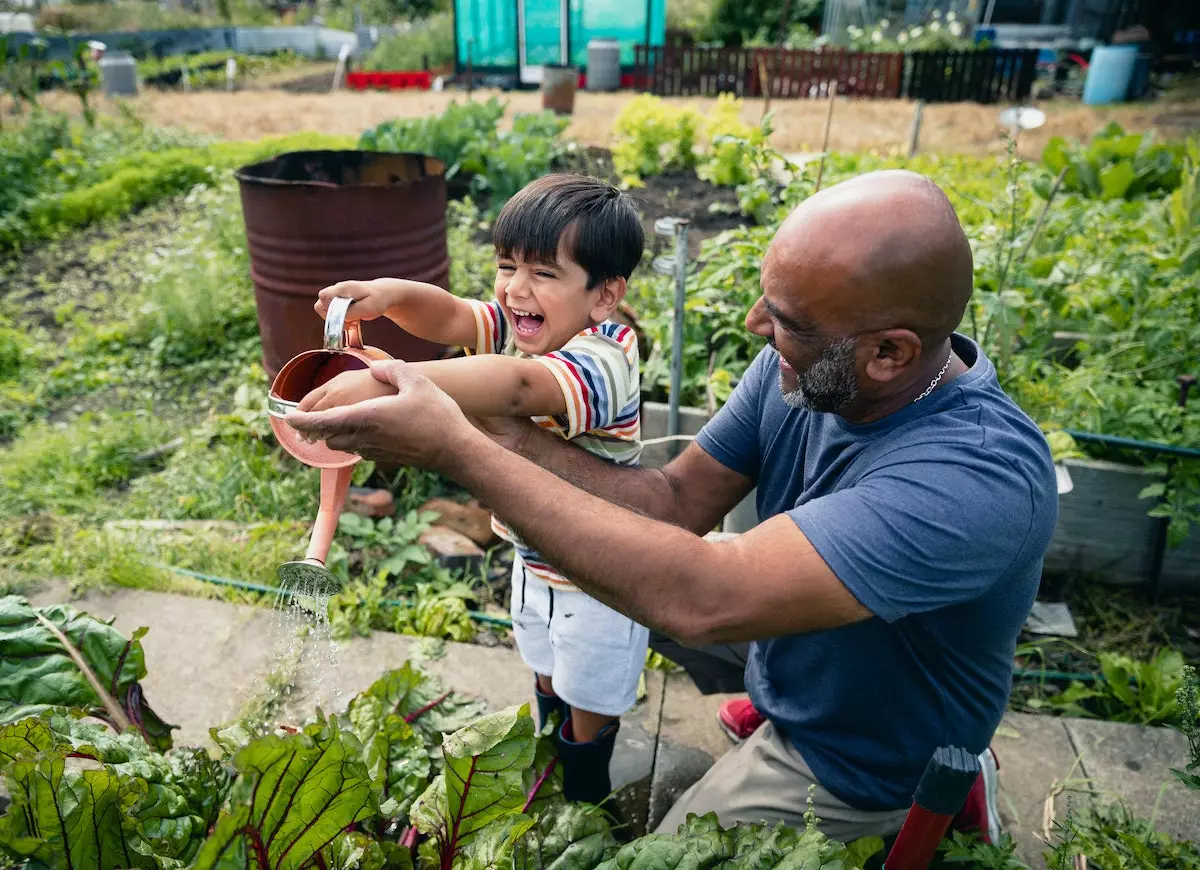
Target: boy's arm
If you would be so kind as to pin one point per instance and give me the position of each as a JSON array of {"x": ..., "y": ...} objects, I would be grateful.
[
  {"x": 494, "y": 385},
  {"x": 424, "y": 310}
]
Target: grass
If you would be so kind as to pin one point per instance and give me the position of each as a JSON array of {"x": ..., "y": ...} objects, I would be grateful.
[{"x": 857, "y": 125}]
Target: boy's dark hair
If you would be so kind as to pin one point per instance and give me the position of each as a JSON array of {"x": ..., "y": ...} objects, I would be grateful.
[{"x": 598, "y": 225}]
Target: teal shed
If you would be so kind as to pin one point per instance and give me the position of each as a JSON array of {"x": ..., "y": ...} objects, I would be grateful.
[{"x": 516, "y": 39}]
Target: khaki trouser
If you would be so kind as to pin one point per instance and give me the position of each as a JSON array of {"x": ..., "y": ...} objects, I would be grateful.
[{"x": 765, "y": 779}]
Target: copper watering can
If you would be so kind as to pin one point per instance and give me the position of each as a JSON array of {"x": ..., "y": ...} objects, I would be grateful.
[{"x": 343, "y": 351}]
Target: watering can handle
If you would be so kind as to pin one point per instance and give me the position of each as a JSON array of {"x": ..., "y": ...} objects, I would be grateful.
[{"x": 338, "y": 336}]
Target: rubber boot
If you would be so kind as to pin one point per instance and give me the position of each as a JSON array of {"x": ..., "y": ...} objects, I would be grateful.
[
  {"x": 585, "y": 765},
  {"x": 547, "y": 705}
]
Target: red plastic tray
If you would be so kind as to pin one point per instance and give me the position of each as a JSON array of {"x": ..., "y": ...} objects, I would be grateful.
[{"x": 390, "y": 81}]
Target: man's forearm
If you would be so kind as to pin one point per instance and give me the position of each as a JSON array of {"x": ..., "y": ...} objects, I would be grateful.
[
  {"x": 634, "y": 564},
  {"x": 647, "y": 491}
]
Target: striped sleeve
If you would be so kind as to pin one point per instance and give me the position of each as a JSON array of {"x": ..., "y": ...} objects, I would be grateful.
[
  {"x": 598, "y": 373},
  {"x": 491, "y": 329}
]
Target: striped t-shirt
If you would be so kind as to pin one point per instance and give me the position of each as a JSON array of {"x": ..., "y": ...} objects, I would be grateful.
[{"x": 598, "y": 373}]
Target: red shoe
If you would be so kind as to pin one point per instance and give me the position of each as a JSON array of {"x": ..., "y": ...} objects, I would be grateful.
[
  {"x": 739, "y": 719},
  {"x": 981, "y": 812}
]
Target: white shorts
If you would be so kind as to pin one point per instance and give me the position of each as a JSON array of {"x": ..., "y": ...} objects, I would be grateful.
[{"x": 593, "y": 654}]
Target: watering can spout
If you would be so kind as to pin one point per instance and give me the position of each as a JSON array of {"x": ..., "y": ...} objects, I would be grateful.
[{"x": 343, "y": 351}]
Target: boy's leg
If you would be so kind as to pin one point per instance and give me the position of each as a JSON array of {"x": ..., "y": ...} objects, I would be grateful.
[
  {"x": 529, "y": 608},
  {"x": 598, "y": 659}
]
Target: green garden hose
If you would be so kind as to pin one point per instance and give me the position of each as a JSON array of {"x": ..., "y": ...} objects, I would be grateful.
[{"x": 275, "y": 590}]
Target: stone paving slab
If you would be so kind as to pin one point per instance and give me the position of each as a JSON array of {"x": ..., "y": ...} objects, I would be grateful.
[
  {"x": 1037, "y": 758},
  {"x": 689, "y": 741},
  {"x": 1132, "y": 763}
]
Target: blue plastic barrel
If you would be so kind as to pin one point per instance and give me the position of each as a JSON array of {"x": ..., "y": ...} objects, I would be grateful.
[{"x": 1109, "y": 74}]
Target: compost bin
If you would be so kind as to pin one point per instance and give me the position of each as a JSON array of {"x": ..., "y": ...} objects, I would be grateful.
[{"x": 314, "y": 218}]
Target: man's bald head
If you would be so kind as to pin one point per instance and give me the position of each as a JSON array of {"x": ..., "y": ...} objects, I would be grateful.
[{"x": 883, "y": 250}]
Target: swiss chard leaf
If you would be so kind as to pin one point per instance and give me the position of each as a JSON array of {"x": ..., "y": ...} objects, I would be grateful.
[
  {"x": 36, "y": 672},
  {"x": 422, "y": 701},
  {"x": 567, "y": 837},
  {"x": 395, "y": 755},
  {"x": 702, "y": 843},
  {"x": 355, "y": 851},
  {"x": 170, "y": 800},
  {"x": 481, "y": 784},
  {"x": 294, "y": 795},
  {"x": 543, "y": 781},
  {"x": 64, "y": 816},
  {"x": 495, "y": 845}
]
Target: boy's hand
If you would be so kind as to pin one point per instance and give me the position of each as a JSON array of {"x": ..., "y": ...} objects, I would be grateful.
[
  {"x": 372, "y": 299},
  {"x": 348, "y": 388}
]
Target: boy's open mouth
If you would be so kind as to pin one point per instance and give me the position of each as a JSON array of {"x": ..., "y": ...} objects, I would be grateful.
[{"x": 527, "y": 324}]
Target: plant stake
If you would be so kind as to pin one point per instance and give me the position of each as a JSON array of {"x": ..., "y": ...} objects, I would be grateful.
[
  {"x": 677, "y": 228},
  {"x": 825, "y": 139}
]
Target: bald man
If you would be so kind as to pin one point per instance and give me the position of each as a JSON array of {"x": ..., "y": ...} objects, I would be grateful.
[{"x": 905, "y": 501}]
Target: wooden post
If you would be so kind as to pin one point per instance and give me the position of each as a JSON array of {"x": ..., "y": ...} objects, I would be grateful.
[
  {"x": 765, "y": 81},
  {"x": 914, "y": 135},
  {"x": 825, "y": 140}
]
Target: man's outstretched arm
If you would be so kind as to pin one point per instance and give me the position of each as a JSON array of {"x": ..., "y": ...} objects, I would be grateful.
[
  {"x": 767, "y": 582},
  {"x": 694, "y": 490}
]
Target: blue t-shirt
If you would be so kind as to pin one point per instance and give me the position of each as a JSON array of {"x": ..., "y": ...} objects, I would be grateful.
[{"x": 936, "y": 518}]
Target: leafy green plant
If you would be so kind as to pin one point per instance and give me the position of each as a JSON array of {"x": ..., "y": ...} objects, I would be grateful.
[
  {"x": 1111, "y": 837},
  {"x": 494, "y": 164},
  {"x": 472, "y": 265},
  {"x": 1144, "y": 692},
  {"x": 1187, "y": 697},
  {"x": 387, "y": 546},
  {"x": 46, "y": 651},
  {"x": 1115, "y": 164},
  {"x": 963, "y": 848},
  {"x": 651, "y": 137}
]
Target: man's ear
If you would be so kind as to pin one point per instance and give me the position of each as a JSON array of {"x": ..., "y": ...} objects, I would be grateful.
[
  {"x": 608, "y": 298},
  {"x": 893, "y": 353}
]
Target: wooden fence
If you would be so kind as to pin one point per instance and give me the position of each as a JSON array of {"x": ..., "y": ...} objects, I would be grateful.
[{"x": 934, "y": 76}]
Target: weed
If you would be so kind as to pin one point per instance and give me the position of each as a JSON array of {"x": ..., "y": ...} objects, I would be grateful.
[{"x": 75, "y": 468}]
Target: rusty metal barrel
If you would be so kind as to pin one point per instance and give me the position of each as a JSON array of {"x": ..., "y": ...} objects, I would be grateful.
[
  {"x": 559, "y": 82},
  {"x": 314, "y": 218}
]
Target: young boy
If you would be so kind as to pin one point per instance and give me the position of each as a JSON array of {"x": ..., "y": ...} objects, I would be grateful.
[{"x": 546, "y": 347}]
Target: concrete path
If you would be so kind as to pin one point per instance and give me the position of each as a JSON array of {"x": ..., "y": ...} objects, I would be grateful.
[{"x": 208, "y": 660}]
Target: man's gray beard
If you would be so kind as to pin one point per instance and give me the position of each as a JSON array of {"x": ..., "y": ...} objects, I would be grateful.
[{"x": 828, "y": 384}]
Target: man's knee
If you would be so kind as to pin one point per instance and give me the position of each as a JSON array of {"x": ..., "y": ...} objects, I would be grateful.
[{"x": 716, "y": 669}]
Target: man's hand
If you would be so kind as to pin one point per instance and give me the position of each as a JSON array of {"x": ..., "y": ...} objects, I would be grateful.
[
  {"x": 419, "y": 426},
  {"x": 348, "y": 388}
]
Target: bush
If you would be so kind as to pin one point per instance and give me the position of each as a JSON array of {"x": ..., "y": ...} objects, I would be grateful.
[
  {"x": 430, "y": 41},
  {"x": 73, "y": 190},
  {"x": 495, "y": 164},
  {"x": 1116, "y": 165},
  {"x": 729, "y": 160},
  {"x": 652, "y": 137}
]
